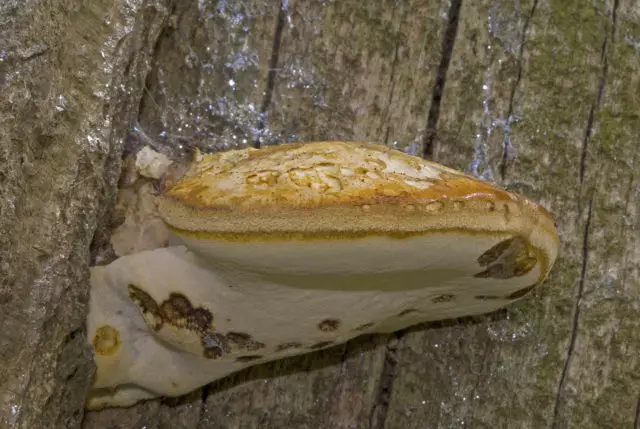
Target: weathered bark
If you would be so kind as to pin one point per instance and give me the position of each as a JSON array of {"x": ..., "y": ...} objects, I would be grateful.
[
  {"x": 540, "y": 96},
  {"x": 69, "y": 79}
]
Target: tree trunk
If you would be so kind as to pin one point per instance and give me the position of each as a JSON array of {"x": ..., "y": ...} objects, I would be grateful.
[
  {"x": 541, "y": 97},
  {"x": 70, "y": 85}
]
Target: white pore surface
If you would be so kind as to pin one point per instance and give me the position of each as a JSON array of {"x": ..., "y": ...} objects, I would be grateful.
[{"x": 279, "y": 292}]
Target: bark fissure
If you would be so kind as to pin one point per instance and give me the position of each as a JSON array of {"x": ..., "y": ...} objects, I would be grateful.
[
  {"x": 272, "y": 73},
  {"x": 429, "y": 139},
  {"x": 506, "y": 144},
  {"x": 155, "y": 53},
  {"x": 204, "y": 395},
  {"x": 392, "y": 88},
  {"x": 594, "y": 110},
  {"x": 576, "y": 316},
  {"x": 380, "y": 406},
  {"x": 614, "y": 20}
]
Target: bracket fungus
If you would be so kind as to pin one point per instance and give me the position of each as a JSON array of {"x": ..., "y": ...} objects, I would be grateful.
[{"x": 284, "y": 250}]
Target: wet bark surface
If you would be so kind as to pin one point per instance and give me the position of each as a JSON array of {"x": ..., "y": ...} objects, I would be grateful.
[
  {"x": 540, "y": 97},
  {"x": 69, "y": 83}
]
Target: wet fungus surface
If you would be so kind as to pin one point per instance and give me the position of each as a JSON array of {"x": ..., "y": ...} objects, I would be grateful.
[{"x": 294, "y": 248}]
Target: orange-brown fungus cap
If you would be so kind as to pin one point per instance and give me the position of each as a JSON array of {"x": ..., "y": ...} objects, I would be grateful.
[{"x": 338, "y": 189}]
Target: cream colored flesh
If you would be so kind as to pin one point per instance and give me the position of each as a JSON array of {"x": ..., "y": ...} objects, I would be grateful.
[{"x": 314, "y": 294}]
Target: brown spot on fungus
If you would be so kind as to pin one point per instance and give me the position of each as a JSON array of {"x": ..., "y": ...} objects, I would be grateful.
[
  {"x": 248, "y": 358},
  {"x": 106, "y": 340},
  {"x": 215, "y": 345},
  {"x": 329, "y": 325},
  {"x": 364, "y": 326},
  {"x": 489, "y": 297},
  {"x": 407, "y": 311},
  {"x": 148, "y": 306},
  {"x": 320, "y": 345},
  {"x": 522, "y": 292},
  {"x": 447, "y": 297},
  {"x": 512, "y": 257},
  {"x": 243, "y": 341},
  {"x": 287, "y": 346},
  {"x": 179, "y": 312}
]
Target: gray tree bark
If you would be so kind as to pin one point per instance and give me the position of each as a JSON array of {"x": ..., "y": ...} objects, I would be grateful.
[
  {"x": 70, "y": 85},
  {"x": 540, "y": 96}
]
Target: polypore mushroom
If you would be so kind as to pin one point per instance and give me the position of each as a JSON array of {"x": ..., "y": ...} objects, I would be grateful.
[{"x": 293, "y": 248}]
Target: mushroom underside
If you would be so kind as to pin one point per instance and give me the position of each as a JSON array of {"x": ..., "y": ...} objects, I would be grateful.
[{"x": 167, "y": 321}]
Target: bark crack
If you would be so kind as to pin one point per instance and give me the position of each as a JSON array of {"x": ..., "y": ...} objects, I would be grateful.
[
  {"x": 576, "y": 316},
  {"x": 204, "y": 395},
  {"x": 155, "y": 52},
  {"x": 603, "y": 78},
  {"x": 272, "y": 73},
  {"x": 429, "y": 139},
  {"x": 593, "y": 111},
  {"x": 506, "y": 144},
  {"x": 392, "y": 89},
  {"x": 378, "y": 416},
  {"x": 614, "y": 20}
]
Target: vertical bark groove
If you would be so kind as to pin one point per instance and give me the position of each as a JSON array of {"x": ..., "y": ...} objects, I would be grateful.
[
  {"x": 593, "y": 111},
  {"x": 380, "y": 407},
  {"x": 392, "y": 88},
  {"x": 507, "y": 142},
  {"x": 429, "y": 140},
  {"x": 576, "y": 317},
  {"x": 272, "y": 73}
]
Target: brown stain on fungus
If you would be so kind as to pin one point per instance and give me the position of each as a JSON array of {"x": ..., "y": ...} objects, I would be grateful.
[
  {"x": 248, "y": 358},
  {"x": 320, "y": 345},
  {"x": 512, "y": 257},
  {"x": 522, "y": 292},
  {"x": 364, "y": 326},
  {"x": 329, "y": 325},
  {"x": 178, "y": 312},
  {"x": 106, "y": 340},
  {"x": 243, "y": 341},
  {"x": 215, "y": 345},
  {"x": 287, "y": 346},
  {"x": 443, "y": 298},
  {"x": 515, "y": 295},
  {"x": 489, "y": 297},
  {"x": 149, "y": 307}
]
